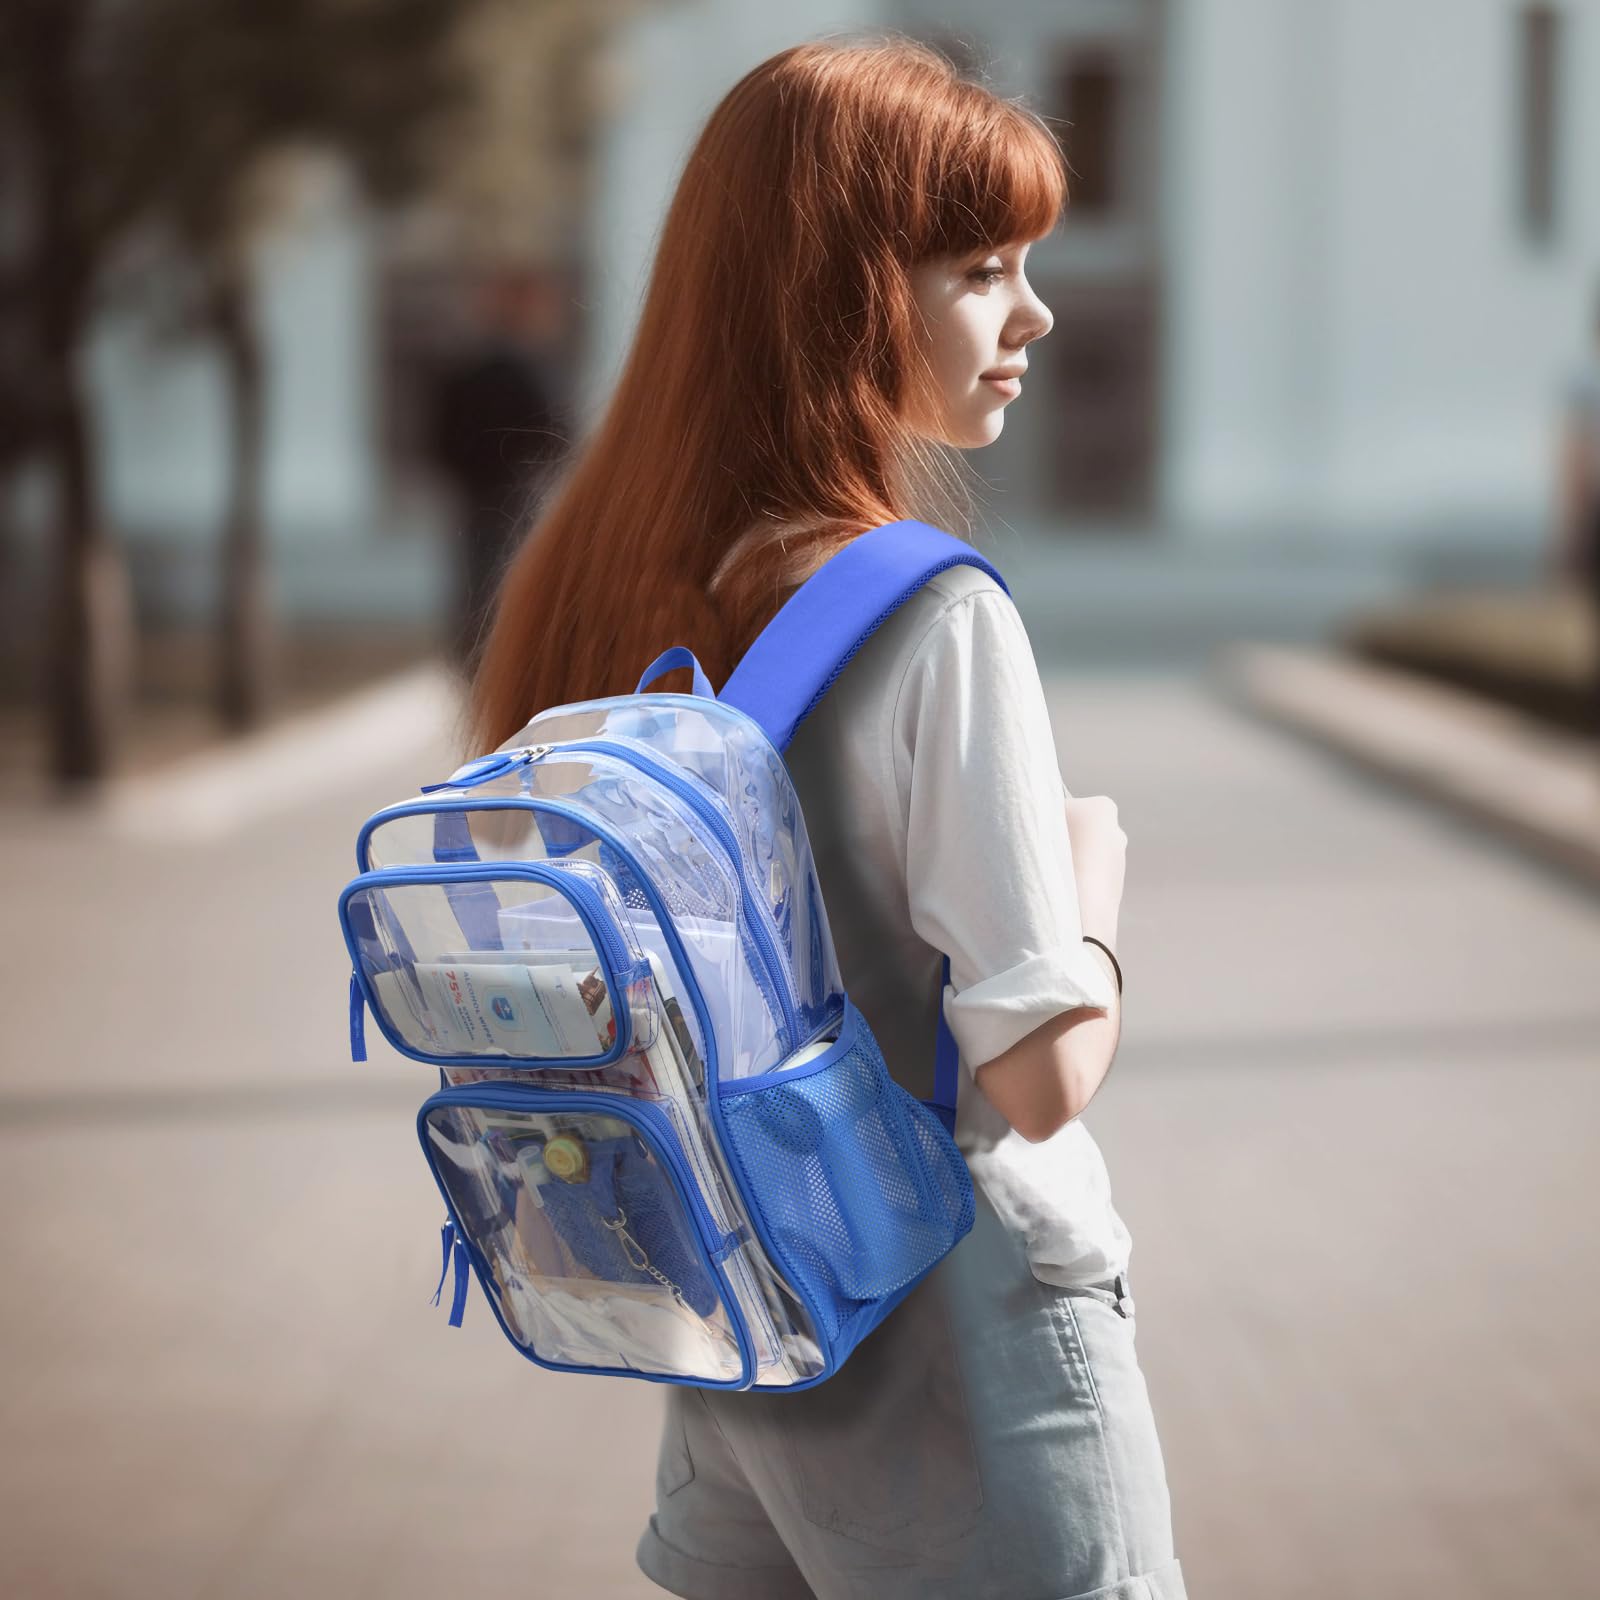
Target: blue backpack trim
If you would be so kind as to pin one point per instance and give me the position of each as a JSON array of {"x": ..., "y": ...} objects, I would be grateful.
[
  {"x": 678, "y": 656},
  {"x": 849, "y": 1279}
]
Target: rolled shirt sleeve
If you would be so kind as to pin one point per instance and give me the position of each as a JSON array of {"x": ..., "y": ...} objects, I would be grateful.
[{"x": 988, "y": 856}]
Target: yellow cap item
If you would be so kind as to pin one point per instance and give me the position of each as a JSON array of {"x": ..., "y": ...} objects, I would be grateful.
[{"x": 566, "y": 1157}]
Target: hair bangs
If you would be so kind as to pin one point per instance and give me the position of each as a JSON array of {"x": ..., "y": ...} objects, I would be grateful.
[{"x": 1002, "y": 180}]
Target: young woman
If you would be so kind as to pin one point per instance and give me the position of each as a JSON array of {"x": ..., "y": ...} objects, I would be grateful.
[{"x": 838, "y": 307}]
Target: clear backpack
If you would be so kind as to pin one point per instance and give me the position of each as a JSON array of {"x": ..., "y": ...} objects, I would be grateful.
[{"x": 668, "y": 1145}]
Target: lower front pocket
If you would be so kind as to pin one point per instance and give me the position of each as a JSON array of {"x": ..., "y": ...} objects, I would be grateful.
[{"x": 584, "y": 1236}]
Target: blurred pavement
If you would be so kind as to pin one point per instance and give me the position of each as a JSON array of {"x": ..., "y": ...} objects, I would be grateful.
[
  {"x": 1350, "y": 1128},
  {"x": 1530, "y": 781}
]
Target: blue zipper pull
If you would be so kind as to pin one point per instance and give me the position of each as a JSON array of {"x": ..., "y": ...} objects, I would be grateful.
[
  {"x": 456, "y": 1246},
  {"x": 446, "y": 1234},
  {"x": 458, "y": 1303},
  {"x": 358, "y": 1027}
]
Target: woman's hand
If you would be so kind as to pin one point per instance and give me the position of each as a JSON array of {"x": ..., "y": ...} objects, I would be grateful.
[{"x": 1099, "y": 851}]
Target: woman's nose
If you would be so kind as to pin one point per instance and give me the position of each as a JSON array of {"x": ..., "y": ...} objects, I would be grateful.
[{"x": 1033, "y": 321}]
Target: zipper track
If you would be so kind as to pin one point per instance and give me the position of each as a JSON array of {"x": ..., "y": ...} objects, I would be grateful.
[
  {"x": 679, "y": 785},
  {"x": 532, "y": 1100},
  {"x": 591, "y": 909}
]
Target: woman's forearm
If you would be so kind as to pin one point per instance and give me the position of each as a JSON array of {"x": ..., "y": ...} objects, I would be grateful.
[
  {"x": 1047, "y": 1078},
  {"x": 1091, "y": 1045}
]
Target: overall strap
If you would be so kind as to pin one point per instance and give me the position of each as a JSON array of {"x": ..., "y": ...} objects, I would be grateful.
[{"x": 795, "y": 659}]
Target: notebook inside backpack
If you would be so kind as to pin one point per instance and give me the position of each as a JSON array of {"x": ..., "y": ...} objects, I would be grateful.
[{"x": 520, "y": 1003}]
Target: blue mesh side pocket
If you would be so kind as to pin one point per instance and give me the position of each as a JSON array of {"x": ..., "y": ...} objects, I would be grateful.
[{"x": 860, "y": 1188}]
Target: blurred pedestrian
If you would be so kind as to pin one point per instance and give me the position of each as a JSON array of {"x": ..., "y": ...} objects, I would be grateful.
[
  {"x": 838, "y": 307},
  {"x": 1578, "y": 499},
  {"x": 497, "y": 424}
]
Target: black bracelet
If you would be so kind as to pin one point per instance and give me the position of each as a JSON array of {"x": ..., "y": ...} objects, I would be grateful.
[{"x": 1089, "y": 938}]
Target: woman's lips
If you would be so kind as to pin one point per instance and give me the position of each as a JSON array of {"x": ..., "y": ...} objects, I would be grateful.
[{"x": 1010, "y": 386}]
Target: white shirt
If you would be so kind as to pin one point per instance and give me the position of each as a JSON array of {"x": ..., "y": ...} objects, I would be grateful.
[{"x": 933, "y": 802}]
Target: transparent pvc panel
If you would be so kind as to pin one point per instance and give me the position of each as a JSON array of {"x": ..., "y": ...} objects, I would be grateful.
[
  {"x": 663, "y": 1071},
  {"x": 590, "y": 1244},
  {"x": 670, "y": 855},
  {"x": 488, "y": 829},
  {"x": 730, "y": 757},
  {"x": 411, "y": 838},
  {"x": 499, "y": 966}
]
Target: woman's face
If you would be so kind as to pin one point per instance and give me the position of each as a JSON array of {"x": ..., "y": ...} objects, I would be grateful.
[{"x": 978, "y": 313}]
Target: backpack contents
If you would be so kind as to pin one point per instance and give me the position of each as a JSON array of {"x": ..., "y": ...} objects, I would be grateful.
[{"x": 585, "y": 1237}]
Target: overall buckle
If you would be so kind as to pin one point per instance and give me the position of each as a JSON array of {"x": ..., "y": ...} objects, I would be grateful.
[{"x": 1124, "y": 1299}]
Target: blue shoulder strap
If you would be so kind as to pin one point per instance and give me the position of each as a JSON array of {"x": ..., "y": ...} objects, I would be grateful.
[
  {"x": 820, "y": 627},
  {"x": 832, "y": 614}
]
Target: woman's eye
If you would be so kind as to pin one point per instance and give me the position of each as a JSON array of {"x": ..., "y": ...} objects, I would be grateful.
[{"x": 987, "y": 274}]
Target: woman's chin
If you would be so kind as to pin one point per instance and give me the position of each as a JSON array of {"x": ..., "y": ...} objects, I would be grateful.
[
  {"x": 974, "y": 432},
  {"x": 985, "y": 429}
]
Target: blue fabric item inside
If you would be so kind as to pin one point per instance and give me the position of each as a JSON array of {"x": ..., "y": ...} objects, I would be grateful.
[
  {"x": 623, "y": 1183},
  {"x": 475, "y": 905}
]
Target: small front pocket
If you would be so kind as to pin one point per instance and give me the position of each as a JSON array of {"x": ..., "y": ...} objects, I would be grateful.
[
  {"x": 508, "y": 962},
  {"x": 588, "y": 1234}
]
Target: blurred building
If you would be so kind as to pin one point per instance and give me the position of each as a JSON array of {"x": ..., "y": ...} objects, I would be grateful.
[{"x": 1324, "y": 270}]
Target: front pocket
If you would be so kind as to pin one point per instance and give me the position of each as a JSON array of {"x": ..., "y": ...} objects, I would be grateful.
[
  {"x": 511, "y": 963},
  {"x": 586, "y": 1232}
]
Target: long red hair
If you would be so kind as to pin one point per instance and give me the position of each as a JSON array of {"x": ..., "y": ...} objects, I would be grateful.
[{"x": 763, "y": 394}]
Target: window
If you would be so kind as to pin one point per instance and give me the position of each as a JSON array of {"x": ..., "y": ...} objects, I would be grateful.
[
  {"x": 1538, "y": 48},
  {"x": 1091, "y": 89}
]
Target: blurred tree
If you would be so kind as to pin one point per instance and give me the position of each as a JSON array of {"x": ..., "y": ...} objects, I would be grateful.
[
  {"x": 60, "y": 111},
  {"x": 520, "y": 178},
  {"x": 144, "y": 149},
  {"x": 127, "y": 121},
  {"x": 243, "y": 83}
]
